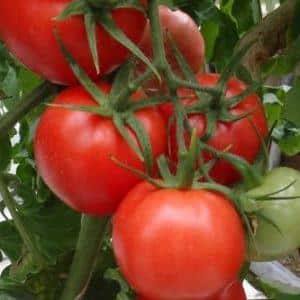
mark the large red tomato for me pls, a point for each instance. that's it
(240, 137)
(73, 152)
(186, 35)
(234, 291)
(177, 244)
(27, 28)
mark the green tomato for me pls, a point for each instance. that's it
(274, 241)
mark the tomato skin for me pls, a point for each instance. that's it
(26, 28)
(182, 29)
(270, 243)
(171, 244)
(73, 150)
(239, 137)
(234, 291)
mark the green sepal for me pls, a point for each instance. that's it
(119, 123)
(108, 23)
(84, 108)
(121, 81)
(90, 28)
(250, 175)
(74, 8)
(81, 75)
(143, 139)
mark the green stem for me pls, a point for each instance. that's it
(27, 104)
(19, 223)
(157, 35)
(257, 12)
(88, 246)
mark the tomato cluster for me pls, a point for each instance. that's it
(170, 241)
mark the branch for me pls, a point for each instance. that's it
(88, 247)
(29, 102)
(270, 35)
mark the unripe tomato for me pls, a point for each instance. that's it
(274, 241)
(177, 244)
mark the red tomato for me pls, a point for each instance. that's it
(27, 28)
(234, 291)
(73, 150)
(184, 32)
(239, 137)
(177, 244)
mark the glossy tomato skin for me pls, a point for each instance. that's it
(177, 244)
(239, 137)
(73, 152)
(27, 27)
(234, 291)
(271, 242)
(185, 33)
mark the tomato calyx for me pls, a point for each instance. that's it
(100, 13)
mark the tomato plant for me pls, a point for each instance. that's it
(171, 244)
(73, 152)
(30, 37)
(181, 29)
(241, 137)
(184, 234)
(276, 224)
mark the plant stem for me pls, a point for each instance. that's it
(25, 105)
(257, 12)
(157, 35)
(19, 223)
(88, 246)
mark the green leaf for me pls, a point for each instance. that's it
(285, 62)
(287, 135)
(10, 241)
(292, 104)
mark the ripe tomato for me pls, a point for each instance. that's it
(73, 150)
(272, 243)
(239, 137)
(184, 32)
(27, 28)
(177, 244)
(234, 291)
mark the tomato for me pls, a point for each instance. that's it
(177, 244)
(271, 242)
(26, 28)
(73, 152)
(234, 291)
(239, 137)
(186, 35)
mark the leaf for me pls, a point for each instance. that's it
(10, 241)
(287, 135)
(292, 104)
(285, 62)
